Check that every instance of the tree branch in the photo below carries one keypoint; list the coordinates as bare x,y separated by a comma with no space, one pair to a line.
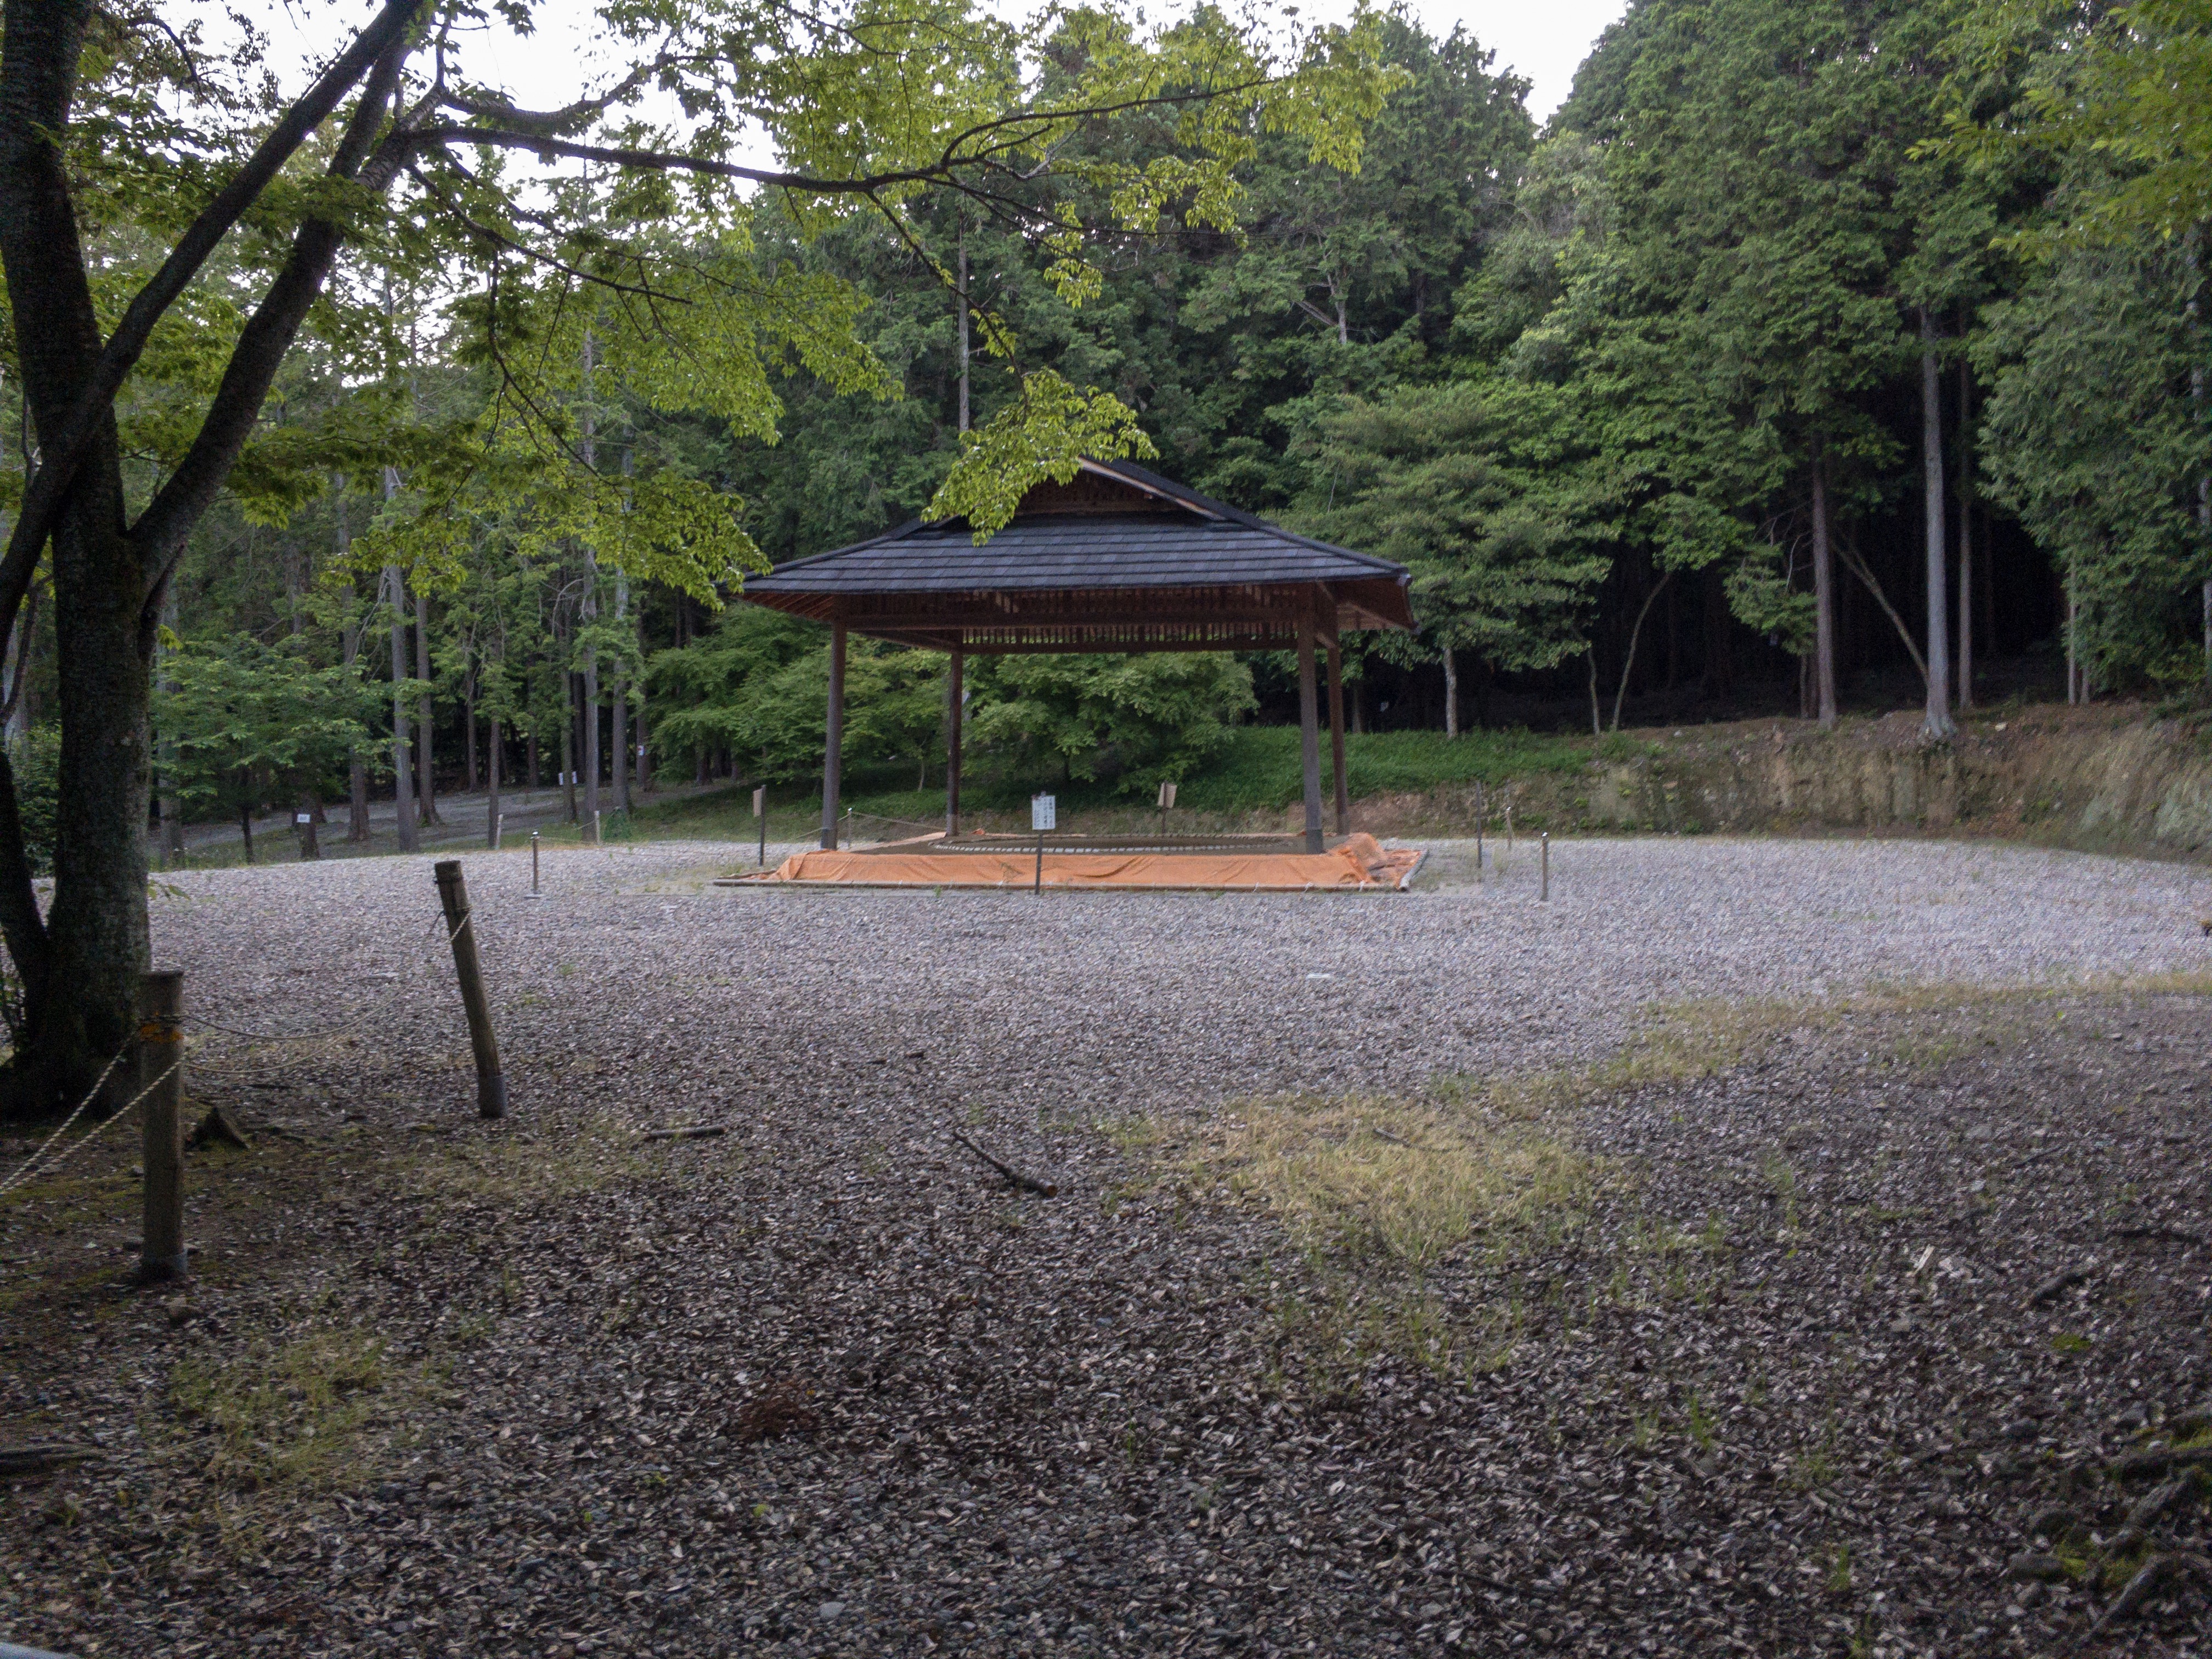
939,171
1634,635
1857,566
267,336
61,452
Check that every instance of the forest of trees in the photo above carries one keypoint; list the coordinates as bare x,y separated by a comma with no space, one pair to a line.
1810,351
385,432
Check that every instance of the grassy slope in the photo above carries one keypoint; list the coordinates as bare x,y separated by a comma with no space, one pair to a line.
1258,772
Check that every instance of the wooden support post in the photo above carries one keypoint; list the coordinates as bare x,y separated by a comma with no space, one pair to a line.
162,1081
1544,887
1310,734
953,713
1336,735
453,896
833,744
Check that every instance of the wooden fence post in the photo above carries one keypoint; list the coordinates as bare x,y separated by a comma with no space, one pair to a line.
161,1055
453,896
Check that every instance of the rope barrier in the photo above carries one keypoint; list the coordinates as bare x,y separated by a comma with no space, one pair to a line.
45,1161
99,1128
31,1164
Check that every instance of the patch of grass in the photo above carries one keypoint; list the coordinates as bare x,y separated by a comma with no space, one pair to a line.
1348,1325
291,1413
1259,768
1396,1181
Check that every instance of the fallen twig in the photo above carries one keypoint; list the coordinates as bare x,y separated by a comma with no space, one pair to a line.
18,1462
688,1132
1042,1189
2180,1235
2051,1286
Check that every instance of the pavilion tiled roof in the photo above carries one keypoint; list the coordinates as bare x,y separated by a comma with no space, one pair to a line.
1120,559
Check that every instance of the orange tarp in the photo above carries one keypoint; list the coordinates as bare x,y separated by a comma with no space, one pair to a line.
1359,863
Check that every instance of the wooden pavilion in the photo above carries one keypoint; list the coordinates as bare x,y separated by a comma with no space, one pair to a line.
1116,559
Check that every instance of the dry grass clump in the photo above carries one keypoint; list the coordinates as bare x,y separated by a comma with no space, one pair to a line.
1399,1181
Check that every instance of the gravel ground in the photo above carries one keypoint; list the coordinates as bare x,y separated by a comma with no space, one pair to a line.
1795,1373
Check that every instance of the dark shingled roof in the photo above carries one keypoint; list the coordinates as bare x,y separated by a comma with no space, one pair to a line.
1120,559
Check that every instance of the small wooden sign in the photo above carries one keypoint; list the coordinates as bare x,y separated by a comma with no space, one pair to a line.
1044,813
1167,796
760,801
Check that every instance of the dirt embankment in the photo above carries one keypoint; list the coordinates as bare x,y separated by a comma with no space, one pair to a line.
2111,779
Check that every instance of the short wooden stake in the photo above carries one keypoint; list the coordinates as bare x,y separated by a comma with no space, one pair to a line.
161,1054
596,838
498,829
453,896
1038,885
533,863
1544,887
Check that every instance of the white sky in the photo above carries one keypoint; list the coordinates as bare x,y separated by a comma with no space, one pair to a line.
1543,39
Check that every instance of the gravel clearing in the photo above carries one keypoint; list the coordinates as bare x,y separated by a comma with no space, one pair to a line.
1084,1003
1844,1347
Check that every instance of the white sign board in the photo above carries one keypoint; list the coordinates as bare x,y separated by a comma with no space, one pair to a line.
1167,796
303,818
760,800
1044,812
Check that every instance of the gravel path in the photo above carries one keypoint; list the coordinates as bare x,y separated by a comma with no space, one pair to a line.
1084,1002
1845,1349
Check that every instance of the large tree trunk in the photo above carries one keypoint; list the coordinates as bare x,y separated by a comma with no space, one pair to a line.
1823,597
81,965
1936,722
79,968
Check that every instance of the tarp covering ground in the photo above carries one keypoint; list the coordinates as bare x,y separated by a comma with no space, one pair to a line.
1360,863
